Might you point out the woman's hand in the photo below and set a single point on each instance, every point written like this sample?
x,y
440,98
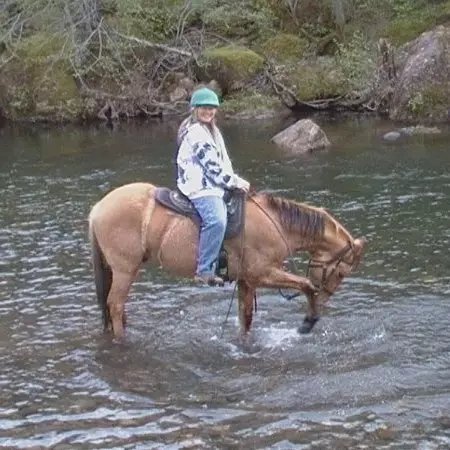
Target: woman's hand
x,y
242,184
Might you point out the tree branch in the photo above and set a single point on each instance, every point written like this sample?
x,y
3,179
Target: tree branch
x,y
162,47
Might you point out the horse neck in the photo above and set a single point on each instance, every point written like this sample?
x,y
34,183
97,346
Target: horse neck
x,y
335,238
312,238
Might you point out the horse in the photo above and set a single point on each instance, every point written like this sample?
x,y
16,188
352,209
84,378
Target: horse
x,y
128,227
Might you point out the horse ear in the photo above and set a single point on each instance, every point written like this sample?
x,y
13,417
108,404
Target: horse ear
x,y
358,247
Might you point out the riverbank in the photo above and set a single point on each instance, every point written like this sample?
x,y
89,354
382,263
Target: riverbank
x,y
121,62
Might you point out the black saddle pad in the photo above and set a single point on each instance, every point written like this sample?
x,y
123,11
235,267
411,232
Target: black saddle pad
x,y
176,201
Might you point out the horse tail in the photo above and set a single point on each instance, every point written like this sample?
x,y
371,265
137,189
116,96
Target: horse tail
x,y
102,275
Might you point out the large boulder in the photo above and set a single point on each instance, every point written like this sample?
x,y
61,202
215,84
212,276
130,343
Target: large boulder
x,y
422,90
301,137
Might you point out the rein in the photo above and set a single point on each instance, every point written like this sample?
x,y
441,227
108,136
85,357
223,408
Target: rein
x,y
285,296
241,258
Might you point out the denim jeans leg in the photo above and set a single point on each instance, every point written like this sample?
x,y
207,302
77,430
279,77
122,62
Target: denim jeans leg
x,y
213,213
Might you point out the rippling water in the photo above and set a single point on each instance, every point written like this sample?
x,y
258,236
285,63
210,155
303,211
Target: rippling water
x,y
374,374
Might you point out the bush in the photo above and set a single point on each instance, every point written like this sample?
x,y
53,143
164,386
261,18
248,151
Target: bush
x,y
245,18
356,62
155,20
410,22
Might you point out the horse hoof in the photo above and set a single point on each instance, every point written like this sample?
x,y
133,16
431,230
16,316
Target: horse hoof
x,y
308,324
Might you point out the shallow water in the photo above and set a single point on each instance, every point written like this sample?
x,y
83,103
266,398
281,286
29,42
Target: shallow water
x,y
375,372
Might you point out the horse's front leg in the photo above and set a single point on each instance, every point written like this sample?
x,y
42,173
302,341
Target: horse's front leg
x,y
278,278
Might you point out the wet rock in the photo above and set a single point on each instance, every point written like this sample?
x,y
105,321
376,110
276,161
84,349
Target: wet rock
x,y
419,129
392,136
301,137
444,422
423,85
410,131
386,433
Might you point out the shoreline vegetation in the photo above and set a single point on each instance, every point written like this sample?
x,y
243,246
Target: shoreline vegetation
x,y
78,61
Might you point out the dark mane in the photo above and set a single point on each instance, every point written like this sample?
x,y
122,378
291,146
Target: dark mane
x,y
308,220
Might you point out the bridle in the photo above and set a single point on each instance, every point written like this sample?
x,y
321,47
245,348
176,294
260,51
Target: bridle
x,y
337,259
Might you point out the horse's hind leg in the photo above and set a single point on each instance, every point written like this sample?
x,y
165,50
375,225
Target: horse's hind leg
x,y
246,296
121,283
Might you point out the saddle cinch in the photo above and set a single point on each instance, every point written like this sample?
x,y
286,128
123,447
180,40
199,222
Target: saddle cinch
x,y
234,200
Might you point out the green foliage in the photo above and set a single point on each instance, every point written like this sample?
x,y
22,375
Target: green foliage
x,y
39,80
284,47
45,41
238,62
234,19
39,47
252,103
432,100
413,18
416,103
151,19
356,61
315,81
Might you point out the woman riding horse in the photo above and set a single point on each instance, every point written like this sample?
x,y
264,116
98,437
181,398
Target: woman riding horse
x,y
204,173
129,226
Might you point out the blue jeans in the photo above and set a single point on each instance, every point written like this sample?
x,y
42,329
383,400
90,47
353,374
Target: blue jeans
x,y
213,214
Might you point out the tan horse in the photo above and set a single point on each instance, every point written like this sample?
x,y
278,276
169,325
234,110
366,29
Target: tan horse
x,y
128,227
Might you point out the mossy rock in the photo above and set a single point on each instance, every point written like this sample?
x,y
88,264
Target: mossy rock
x,y
315,80
230,66
423,87
38,85
53,95
284,47
431,102
250,105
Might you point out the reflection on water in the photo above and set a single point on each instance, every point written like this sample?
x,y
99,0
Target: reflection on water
x,y
374,374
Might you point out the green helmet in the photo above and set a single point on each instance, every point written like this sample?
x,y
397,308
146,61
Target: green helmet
x,y
204,97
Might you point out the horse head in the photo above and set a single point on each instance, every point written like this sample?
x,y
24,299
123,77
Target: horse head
x,y
329,265
334,253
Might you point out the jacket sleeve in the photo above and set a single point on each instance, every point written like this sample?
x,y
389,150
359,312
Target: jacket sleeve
x,y
208,156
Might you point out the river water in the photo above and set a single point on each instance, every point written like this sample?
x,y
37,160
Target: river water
x,y
374,373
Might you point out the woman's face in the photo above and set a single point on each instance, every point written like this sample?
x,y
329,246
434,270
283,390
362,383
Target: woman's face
x,y
206,114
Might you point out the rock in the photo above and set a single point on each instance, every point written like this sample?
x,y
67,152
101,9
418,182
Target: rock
x,y
423,86
301,137
410,131
392,136
419,129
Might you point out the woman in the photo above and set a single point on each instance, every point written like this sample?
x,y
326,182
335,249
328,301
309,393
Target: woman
x,y
204,173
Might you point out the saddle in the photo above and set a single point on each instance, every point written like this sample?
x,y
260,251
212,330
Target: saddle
x,y
234,200
178,202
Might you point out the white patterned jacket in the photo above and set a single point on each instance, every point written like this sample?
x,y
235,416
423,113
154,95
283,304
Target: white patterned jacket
x,y
204,167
